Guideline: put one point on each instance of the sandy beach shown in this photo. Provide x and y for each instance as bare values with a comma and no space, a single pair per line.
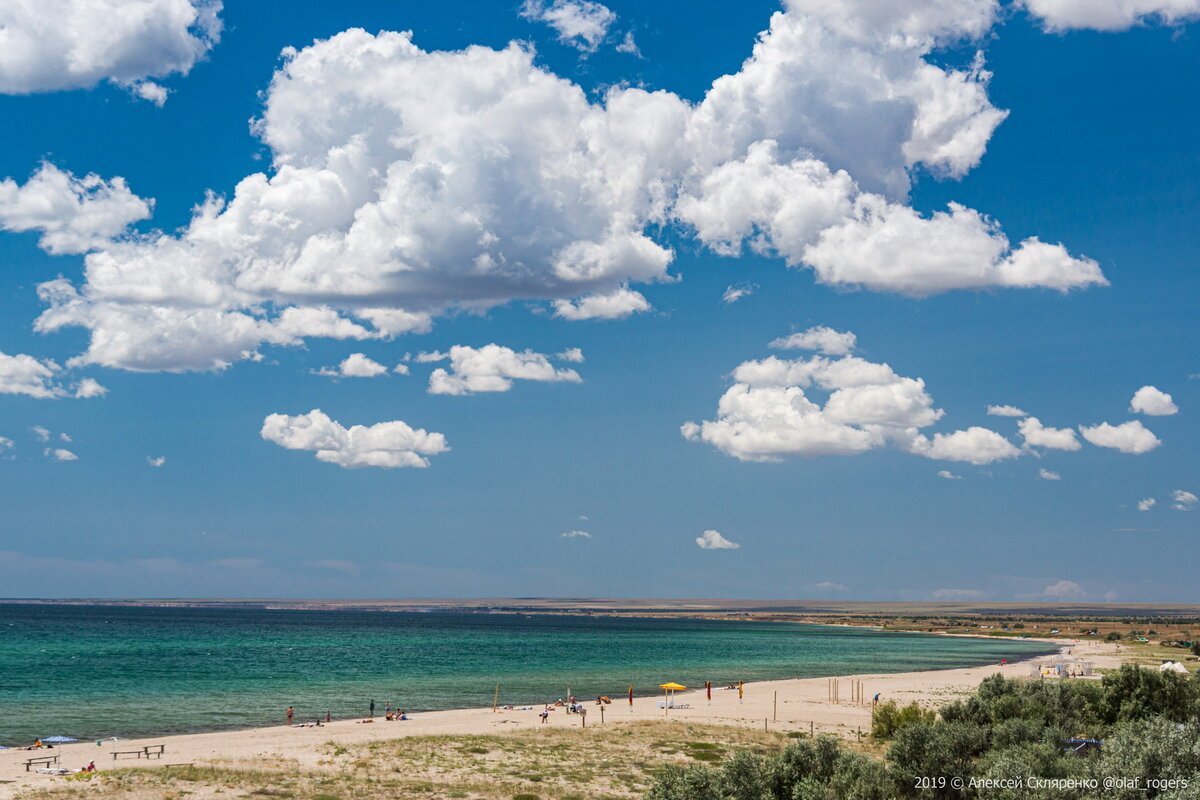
782,706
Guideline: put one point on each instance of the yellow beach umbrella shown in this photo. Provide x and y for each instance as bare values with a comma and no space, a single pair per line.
668,688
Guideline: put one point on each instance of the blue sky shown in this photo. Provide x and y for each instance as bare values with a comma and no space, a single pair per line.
568,176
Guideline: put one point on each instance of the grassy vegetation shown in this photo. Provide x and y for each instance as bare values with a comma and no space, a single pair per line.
1005,733
600,763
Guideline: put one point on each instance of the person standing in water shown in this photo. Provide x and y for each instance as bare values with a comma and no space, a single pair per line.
290,712
372,709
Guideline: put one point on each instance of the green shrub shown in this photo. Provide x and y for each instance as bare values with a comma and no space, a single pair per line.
888,718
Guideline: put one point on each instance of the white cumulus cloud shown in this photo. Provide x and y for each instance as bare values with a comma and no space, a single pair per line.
1049,475
576,535
713,540
493,368
405,184
617,304
1063,590
51,45
1036,434
820,338
385,444
1183,500
1110,15
73,215
156,461
1146,504
582,24
1005,411
358,365
1153,403
40,378
60,454
1128,437
768,413
948,475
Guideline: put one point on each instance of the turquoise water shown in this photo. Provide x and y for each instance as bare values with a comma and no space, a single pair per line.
94,672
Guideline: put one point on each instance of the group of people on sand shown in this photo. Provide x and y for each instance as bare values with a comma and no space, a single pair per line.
390,715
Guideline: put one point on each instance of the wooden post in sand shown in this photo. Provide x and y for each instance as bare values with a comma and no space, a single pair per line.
496,698
775,709
601,713
811,729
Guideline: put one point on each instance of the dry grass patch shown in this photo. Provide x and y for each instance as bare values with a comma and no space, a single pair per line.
599,763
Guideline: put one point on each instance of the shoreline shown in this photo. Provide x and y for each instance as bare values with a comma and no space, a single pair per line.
787,705
1053,645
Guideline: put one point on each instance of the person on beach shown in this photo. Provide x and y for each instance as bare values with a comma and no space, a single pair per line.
741,690
545,715
327,717
372,715
290,713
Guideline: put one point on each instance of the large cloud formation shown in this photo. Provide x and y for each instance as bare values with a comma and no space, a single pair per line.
406,183
50,45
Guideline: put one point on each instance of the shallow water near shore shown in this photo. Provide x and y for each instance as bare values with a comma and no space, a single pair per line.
99,671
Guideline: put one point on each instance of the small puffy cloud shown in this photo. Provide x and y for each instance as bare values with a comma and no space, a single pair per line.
616,304
74,215
1128,437
386,444
60,454
1183,500
24,374
156,461
1037,435
6,445
951,594
1049,475
946,474
1153,403
1005,411
53,45
89,387
39,378
1063,590
830,586
820,338
1110,15
713,540
1146,504
572,354
401,369
582,24
40,433
576,535
737,291
975,445
356,365
493,368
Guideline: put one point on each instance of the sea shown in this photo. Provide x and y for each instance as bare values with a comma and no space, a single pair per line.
94,672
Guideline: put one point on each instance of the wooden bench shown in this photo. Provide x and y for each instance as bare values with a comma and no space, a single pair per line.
147,752
41,761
